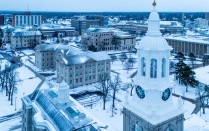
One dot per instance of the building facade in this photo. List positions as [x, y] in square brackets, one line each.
[73, 66]
[82, 69]
[45, 54]
[151, 107]
[84, 22]
[25, 39]
[102, 39]
[26, 20]
[198, 47]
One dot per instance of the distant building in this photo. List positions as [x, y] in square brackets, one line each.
[25, 39]
[55, 110]
[99, 39]
[189, 45]
[1, 19]
[207, 16]
[26, 20]
[7, 33]
[138, 28]
[202, 23]
[82, 23]
[52, 30]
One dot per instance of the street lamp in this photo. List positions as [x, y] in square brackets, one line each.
[15, 103]
[174, 89]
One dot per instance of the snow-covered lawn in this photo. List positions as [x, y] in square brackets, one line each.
[11, 124]
[26, 87]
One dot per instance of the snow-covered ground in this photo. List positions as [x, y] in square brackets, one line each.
[30, 82]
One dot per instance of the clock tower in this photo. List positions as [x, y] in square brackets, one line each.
[151, 107]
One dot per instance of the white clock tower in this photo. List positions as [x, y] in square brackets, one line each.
[151, 107]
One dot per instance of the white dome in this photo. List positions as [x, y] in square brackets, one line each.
[63, 84]
[154, 15]
[153, 43]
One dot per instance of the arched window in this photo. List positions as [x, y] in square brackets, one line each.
[163, 67]
[143, 66]
[153, 68]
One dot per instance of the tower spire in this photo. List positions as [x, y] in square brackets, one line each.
[154, 3]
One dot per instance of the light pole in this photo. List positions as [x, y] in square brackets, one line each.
[15, 103]
[174, 89]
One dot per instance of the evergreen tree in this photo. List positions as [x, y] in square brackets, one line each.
[180, 56]
[179, 69]
[188, 78]
[192, 58]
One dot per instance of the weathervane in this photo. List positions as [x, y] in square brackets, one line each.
[154, 3]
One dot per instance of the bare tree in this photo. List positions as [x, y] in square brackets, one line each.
[4, 79]
[115, 85]
[123, 57]
[203, 96]
[128, 66]
[104, 86]
[13, 81]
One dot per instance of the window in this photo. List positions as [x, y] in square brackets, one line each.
[76, 73]
[89, 71]
[76, 67]
[143, 66]
[163, 67]
[70, 81]
[89, 77]
[80, 79]
[153, 68]
[70, 74]
[80, 66]
[76, 80]
[80, 72]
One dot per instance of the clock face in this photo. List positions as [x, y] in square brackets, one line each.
[166, 94]
[140, 92]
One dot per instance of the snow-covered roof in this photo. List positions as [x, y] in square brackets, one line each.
[64, 117]
[153, 40]
[57, 47]
[188, 39]
[98, 30]
[26, 33]
[84, 57]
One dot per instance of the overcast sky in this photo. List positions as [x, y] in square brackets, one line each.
[105, 5]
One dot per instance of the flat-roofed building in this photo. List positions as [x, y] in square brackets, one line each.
[102, 39]
[187, 45]
[26, 19]
[53, 30]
